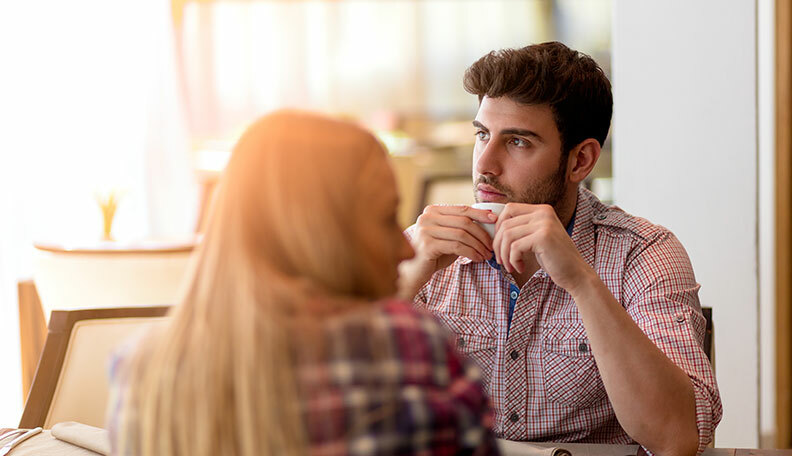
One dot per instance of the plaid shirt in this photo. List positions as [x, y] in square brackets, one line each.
[385, 380]
[539, 369]
[392, 383]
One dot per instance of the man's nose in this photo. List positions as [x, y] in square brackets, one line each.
[487, 160]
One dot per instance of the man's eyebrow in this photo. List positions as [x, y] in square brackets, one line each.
[522, 132]
[512, 131]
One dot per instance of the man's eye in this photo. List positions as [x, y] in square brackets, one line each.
[519, 142]
[482, 135]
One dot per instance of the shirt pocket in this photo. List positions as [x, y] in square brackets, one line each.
[474, 337]
[569, 371]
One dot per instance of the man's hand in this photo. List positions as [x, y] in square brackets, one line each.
[527, 231]
[443, 233]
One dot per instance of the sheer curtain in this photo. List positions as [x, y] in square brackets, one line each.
[356, 58]
[89, 103]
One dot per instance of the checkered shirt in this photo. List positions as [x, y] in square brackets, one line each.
[392, 383]
[540, 370]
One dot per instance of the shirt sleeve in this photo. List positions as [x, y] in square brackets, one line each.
[661, 296]
[118, 389]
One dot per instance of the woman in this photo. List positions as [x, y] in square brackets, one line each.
[280, 345]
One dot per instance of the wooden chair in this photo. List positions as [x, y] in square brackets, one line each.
[71, 381]
[32, 332]
[709, 348]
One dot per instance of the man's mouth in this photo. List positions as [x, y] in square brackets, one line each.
[487, 193]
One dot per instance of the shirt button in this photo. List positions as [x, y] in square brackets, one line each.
[461, 341]
[513, 295]
[582, 348]
[602, 217]
[514, 417]
[514, 354]
[680, 317]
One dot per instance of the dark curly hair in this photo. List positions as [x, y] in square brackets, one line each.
[570, 82]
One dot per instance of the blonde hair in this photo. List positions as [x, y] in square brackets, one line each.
[279, 248]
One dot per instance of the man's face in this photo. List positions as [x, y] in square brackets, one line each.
[517, 156]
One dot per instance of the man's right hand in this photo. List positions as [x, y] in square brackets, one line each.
[443, 233]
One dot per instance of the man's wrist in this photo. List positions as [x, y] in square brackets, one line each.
[588, 283]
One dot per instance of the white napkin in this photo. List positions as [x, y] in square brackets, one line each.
[512, 448]
[82, 435]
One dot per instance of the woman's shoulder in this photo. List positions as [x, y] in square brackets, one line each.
[390, 342]
[396, 316]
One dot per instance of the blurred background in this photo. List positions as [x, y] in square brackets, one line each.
[142, 101]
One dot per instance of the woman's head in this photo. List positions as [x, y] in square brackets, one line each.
[314, 200]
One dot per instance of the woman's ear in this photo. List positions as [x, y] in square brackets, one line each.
[582, 159]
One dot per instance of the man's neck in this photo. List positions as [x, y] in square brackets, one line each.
[565, 208]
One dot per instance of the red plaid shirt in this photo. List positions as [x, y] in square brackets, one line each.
[390, 382]
[540, 371]
[386, 380]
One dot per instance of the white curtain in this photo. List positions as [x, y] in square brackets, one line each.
[88, 103]
[356, 58]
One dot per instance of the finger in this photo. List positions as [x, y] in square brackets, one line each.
[515, 210]
[518, 251]
[479, 215]
[457, 248]
[458, 235]
[459, 222]
[508, 236]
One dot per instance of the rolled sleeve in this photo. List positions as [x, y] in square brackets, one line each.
[661, 296]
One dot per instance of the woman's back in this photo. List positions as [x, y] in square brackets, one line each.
[386, 380]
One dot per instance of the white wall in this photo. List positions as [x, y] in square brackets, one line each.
[685, 156]
[86, 105]
[766, 116]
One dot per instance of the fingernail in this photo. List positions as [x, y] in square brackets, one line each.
[492, 216]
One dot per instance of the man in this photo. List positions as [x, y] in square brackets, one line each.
[585, 319]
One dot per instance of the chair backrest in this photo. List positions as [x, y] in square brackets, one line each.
[709, 348]
[71, 382]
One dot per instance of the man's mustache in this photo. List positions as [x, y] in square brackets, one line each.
[492, 183]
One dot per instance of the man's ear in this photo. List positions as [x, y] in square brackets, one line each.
[582, 159]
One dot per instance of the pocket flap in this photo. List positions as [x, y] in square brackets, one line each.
[460, 324]
[572, 347]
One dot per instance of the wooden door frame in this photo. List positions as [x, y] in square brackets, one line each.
[783, 132]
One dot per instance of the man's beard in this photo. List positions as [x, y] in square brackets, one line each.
[549, 190]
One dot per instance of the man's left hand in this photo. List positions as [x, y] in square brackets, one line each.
[524, 231]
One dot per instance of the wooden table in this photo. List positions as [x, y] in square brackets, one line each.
[508, 448]
[511, 448]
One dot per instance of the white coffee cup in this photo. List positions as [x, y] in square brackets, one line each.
[496, 208]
